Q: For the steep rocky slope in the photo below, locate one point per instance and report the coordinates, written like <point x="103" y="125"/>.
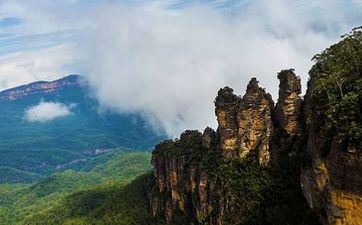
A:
<point x="251" y="169"/>
<point x="195" y="174"/>
<point x="331" y="177"/>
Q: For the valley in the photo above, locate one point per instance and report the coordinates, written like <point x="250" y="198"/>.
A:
<point x="79" y="141"/>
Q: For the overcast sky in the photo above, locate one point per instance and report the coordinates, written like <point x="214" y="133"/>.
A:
<point x="167" y="59"/>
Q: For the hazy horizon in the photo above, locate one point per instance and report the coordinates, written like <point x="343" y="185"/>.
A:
<point x="167" y="59"/>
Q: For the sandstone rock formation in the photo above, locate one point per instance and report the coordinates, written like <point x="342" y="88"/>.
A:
<point x="287" y="108"/>
<point x="331" y="138"/>
<point x="183" y="187"/>
<point x="227" y="106"/>
<point x="245" y="124"/>
<point x="255" y="125"/>
<point x="252" y="128"/>
<point x="332" y="176"/>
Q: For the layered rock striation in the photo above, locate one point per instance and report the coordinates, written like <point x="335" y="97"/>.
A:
<point x="331" y="176"/>
<point x="245" y="124"/>
<point x="182" y="191"/>
<point x="313" y="145"/>
<point x="186" y="191"/>
<point x="287" y="109"/>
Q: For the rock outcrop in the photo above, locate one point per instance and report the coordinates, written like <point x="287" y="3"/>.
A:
<point x="245" y="124"/>
<point x="184" y="192"/>
<point x="255" y="125"/>
<point x="227" y="107"/>
<point x="287" y="109"/>
<point x="331" y="138"/>
<point x="322" y="133"/>
<point x="332" y="177"/>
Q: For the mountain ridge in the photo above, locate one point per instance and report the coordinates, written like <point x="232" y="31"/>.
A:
<point x="41" y="86"/>
<point x="75" y="141"/>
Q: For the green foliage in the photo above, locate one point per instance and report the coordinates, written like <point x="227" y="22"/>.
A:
<point x="66" y="143"/>
<point x="253" y="194"/>
<point x="106" y="204"/>
<point x="336" y="88"/>
<point x="125" y="167"/>
<point x="249" y="194"/>
<point x="243" y="186"/>
<point x="71" y="188"/>
<point x="11" y="175"/>
<point x="190" y="143"/>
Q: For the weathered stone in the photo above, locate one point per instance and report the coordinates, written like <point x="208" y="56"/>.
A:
<point x="250" y="127"/>
<point x="209" y="138"/>
<point x="287" y="107"/>
<point x="331" y="180"/>
<point x="245" y="125"/>
<point x="226" y="108"/>
<point x="181" y="185"/>
<point x="255" y="126"/>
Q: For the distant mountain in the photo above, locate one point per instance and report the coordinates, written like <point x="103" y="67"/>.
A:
<point x="75" y="140"/>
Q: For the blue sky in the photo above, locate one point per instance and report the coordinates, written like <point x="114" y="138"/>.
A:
<point x="191" y="47"/>
<point x="29" y="25"/>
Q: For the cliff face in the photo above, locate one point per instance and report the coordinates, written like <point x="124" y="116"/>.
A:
<point x="187" y="189"/>
<point x="262" y="159"/>
<point x="245" y="124"/>
<point x="331" y="177"/>
<point x="182" y="193"/>
<point x="287" y="109"/>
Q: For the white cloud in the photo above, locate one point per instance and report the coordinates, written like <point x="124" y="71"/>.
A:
<point x="44" y="64"/>
<point x="47" y="111"/>
<point x="167" y="59"/>
<point x="169" y="64"/>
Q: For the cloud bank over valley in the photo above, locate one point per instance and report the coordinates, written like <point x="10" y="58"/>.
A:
<point x="167" y="59"/>
<point x="169" y="62"/>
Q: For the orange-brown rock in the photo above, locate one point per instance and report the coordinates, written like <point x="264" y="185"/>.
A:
<point x="251" y="128"/>
<point x="332" y="181"/>
<point x="41" y="87"/>
<point x="227" y="105"/>
<point x="287" y="108"/>
<point x="245" y="124"/>
<point x="331" y="178"/>
<point x="255" y="125"/>
<point x="182" y="189"/>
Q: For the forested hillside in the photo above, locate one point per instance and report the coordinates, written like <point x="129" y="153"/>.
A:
<point x="80" y="195"/>
<point x="83" y="138"/>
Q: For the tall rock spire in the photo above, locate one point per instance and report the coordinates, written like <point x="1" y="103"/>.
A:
<point x="255" y="126"/>
<point x="226" y="108"/>
<point x="287" y="107"/>
<point x="245" y="125"/>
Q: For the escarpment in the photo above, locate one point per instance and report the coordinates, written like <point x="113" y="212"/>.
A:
<point x="193" y="182"/>
<point x="298" y="162"/>
<point x="331" y="176"/>
<point x="182" y="190"/>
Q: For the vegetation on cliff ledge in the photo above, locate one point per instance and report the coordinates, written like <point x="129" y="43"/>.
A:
<point x="336" y="89"/>
<point x="249" y="193"/>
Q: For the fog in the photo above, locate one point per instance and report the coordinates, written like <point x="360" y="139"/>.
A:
<point x="168" y="63"/>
